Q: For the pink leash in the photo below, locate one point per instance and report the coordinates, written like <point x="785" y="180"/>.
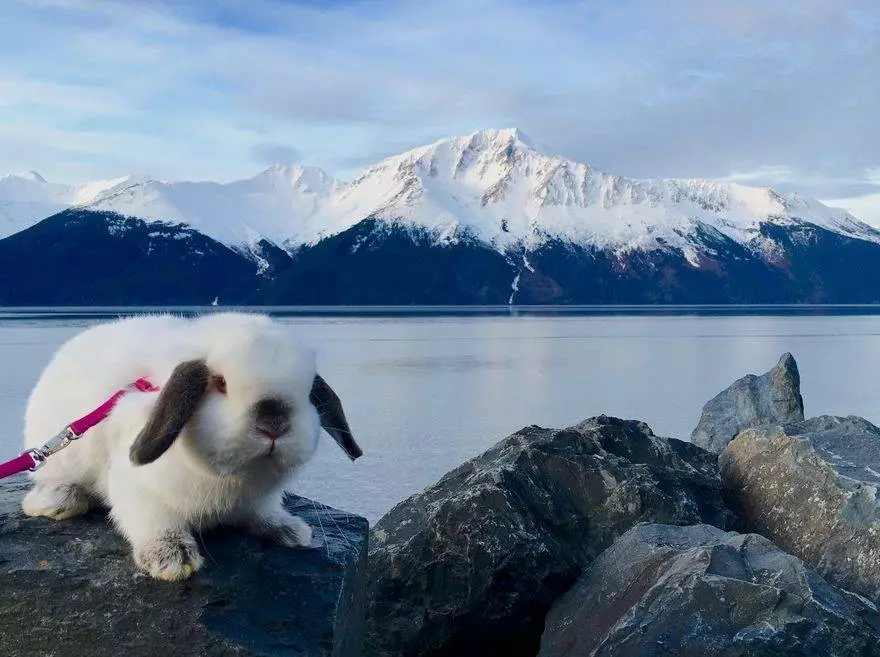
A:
<point x="33" y="459"/>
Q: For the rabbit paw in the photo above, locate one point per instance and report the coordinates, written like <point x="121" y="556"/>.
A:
<point x="173" y="557"/>
<point x="55" y="501"/>
<point x="284" y="529"/>
<point x="294" y="532"/>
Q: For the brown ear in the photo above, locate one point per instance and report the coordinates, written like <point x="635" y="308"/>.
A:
<point x="333" y="417"/>
<point x="177" y="402"/>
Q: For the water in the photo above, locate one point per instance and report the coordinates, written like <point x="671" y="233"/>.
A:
<point x="425" y="392"/>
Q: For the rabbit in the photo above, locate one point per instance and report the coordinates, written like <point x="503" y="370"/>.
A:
<point x="239" y="409"/>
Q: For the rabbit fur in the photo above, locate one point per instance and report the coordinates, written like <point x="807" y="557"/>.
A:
<point x="239" y="409"/>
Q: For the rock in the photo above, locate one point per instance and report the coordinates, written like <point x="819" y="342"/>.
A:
<point x="70" y="588"/>
<point x="471" y="565"/>
<point x="698" y="591"/>
<point x="752" y="400"/>
<point x="811" y="487"/>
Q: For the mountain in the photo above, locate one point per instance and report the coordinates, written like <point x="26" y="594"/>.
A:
<point x="494" y="185"/>
<point x="26" y="198"/>
<point x="83" y="258"/>
<point x="485" y="218"/>
<point x="269" y="206"/>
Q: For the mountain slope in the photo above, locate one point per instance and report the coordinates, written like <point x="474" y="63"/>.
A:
<point x="87" y="258"/>
<point x="379" y="262"/>
<point x="376" y="262"/>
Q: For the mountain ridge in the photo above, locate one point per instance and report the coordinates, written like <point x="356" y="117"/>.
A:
<point x="492" y="182"/>
<point x="483" y="218"/>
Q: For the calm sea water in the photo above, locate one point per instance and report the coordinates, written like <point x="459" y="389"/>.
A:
<point x="426" y="391"/>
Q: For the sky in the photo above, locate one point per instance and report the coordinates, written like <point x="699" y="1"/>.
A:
<point x="763" y="92"/>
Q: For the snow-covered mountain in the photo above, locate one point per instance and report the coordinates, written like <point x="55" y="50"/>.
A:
<point x="485" y="218"/>
<point x="495" y="186"/>
<point x="26" y="198"/>
<point x="269" y="206"/>
<point x="491" y="185"/>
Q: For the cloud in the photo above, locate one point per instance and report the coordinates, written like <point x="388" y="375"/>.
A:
<point x="866" y="207"/>
<point x="276" y="154"/>
<point x="765" y="91"/>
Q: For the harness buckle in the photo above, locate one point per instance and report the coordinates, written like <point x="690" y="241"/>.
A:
<point x="58" y="442"/>
<point x="37" y="456"/>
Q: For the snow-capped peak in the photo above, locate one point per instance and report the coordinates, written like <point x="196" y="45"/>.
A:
<point x="492" y="185"/>
<point x="496" y="187"/>
<point x="32" y="176"/>
<point x="27" y="198"/>
<point x="242" y="212"/>
<point x="305" y="179"/>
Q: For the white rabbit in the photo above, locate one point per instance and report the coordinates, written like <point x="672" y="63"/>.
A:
<point x="239" y="409"/>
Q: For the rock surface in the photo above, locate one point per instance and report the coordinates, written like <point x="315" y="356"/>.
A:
<point x="698" y="591"/>
<point x="752" y="400"/>
<point x="471" y="565"/>
<point x="811" y="487"/>
<point x="70" y="588"/>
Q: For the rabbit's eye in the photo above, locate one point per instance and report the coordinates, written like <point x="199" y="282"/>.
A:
<point x="220" y="384"/>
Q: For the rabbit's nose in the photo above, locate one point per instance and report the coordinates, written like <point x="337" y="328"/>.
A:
<point x="274" y="430"/>
<point x="271" y="417"/>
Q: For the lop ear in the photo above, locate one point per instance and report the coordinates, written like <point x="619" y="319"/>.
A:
<point x="177" y="402"/>
<point x="333" y="417"/>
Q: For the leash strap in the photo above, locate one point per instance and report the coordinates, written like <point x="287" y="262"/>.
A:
<point x="80" y="426"/>
<point x="20" y="463"/>
<point x="33" y="459"/>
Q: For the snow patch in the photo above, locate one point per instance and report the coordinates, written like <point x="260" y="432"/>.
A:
<point x="514" y="287"/>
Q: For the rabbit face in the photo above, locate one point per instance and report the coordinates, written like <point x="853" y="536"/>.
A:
<point x="253" y="403"/>
<point x="256" y="413"/>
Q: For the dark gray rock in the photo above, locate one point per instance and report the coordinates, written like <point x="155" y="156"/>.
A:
<point x="699" y="591"/>
<point x="811" y="487"/>
<point x="751" y="401"/>
<point x="70" y="588"/>
<point x="471" y="565"/>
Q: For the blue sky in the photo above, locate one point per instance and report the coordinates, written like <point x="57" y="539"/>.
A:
<point x="767" y="92"/>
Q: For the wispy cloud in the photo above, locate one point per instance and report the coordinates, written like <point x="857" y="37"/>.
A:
<point x="276" y="153"/>
<point x="765" y="91"/>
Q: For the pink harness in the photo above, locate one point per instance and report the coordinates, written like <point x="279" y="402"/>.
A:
<point x="34" y="459"/>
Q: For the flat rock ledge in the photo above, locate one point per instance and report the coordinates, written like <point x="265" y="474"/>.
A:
<point x="70" y="588"/>
<point x="470" y="566"/>
<point x="701" y="592"/>
<point x="773" y="397"/>
<point x="812" y="487"/>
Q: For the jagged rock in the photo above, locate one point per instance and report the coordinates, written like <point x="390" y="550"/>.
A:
<point x="752" y="400"/>
<point x="471" y="565"/>
<point x="698" y="591"/>
<point x="811" y="487"/>
<point x="70" y="588"/>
